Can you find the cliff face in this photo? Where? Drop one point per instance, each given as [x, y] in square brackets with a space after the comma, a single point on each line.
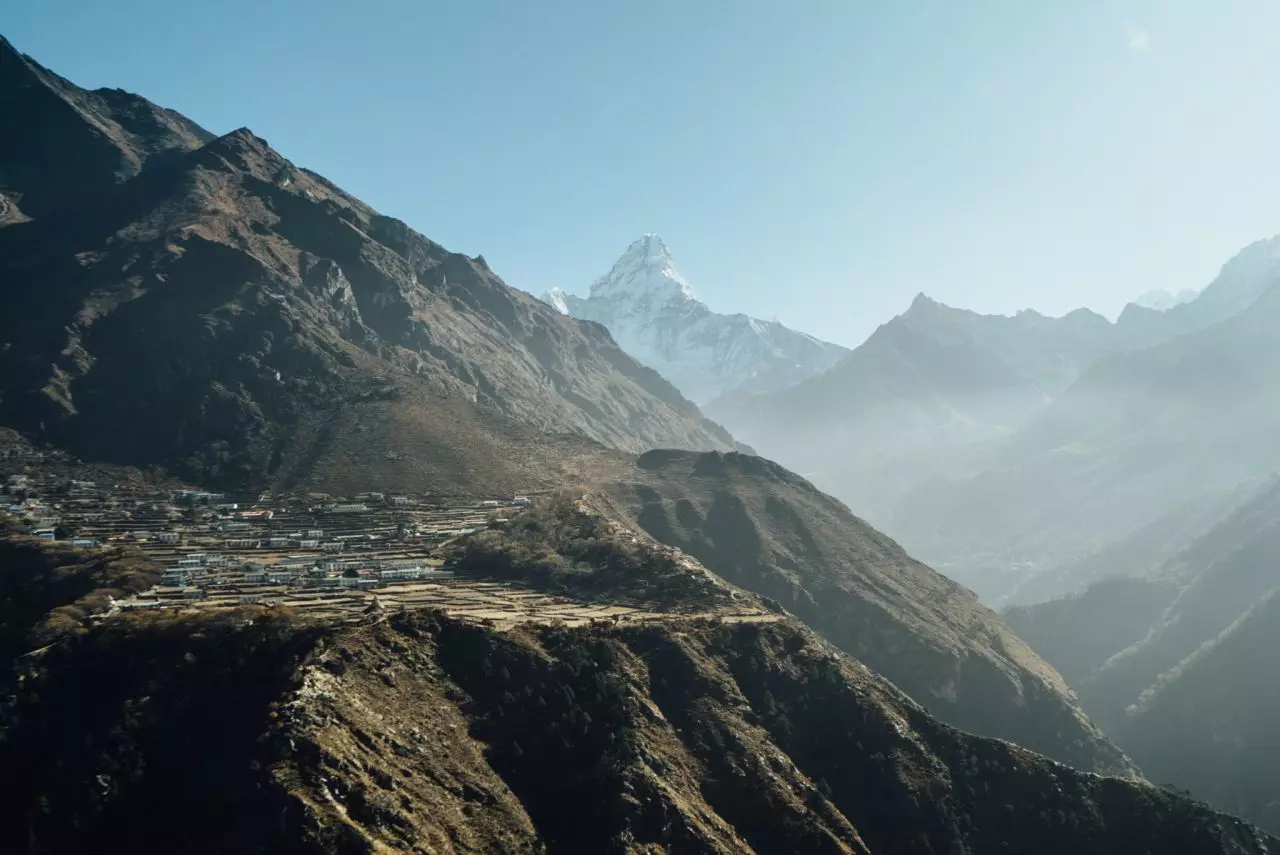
[423, 734]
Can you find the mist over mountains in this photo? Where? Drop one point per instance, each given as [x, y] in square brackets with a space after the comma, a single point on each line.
[1004, 448]
[624, 625]
[1114, 479]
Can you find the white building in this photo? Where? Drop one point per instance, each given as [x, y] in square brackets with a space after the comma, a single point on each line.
[401, 573]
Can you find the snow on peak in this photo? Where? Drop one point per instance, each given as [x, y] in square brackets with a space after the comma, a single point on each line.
[645, 271]
[653, 315]
[1162, 300]
[556, 299]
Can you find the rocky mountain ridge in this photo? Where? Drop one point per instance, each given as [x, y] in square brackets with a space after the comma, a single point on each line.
[275, 315]
[425, 734]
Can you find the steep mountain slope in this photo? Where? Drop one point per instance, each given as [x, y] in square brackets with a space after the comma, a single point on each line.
[1174, 665]
[1249, 274]
[1209, 725]
[1138, 436]
[1079, 633]
[653, 314]
[272, 314]
[61, 144]
[1221, 577]
[767, 530]
[1143, 552]
[423, 734]
[917, 398]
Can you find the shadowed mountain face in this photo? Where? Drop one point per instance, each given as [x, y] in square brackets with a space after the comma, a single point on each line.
[273, 315]
[62, 144]
[422, 733]
[767, 530]
[1177, 666]
[1209, 724]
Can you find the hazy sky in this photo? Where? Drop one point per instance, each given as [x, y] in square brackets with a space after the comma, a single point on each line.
[817, 161]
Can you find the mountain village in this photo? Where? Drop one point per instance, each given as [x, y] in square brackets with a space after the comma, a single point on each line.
[324, 556]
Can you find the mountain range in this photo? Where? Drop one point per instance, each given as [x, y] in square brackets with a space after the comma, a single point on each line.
[198, 306]
[1140, 435]
[983, 442]
[771, 532]
[651, 311]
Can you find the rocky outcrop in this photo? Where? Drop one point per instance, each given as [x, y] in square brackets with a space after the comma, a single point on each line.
[418, 733]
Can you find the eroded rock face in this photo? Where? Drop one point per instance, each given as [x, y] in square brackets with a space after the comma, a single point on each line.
[419, 733]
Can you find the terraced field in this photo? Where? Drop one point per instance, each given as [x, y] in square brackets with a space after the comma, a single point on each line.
[499, 603]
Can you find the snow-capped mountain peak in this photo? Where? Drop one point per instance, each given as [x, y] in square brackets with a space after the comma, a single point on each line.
[1162, 300]
[557, 299]
[646, 270]
[652, 312]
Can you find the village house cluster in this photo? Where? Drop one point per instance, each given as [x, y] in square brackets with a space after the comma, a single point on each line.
[246, 548]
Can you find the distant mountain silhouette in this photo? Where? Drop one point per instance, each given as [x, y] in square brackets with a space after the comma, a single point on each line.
[917, 398]
[1139, 436]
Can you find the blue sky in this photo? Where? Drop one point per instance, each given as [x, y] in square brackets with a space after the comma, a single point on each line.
[820, 161]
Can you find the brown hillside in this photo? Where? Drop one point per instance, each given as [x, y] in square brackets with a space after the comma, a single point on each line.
[288, 329]
[768, 530]
[422, 734]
